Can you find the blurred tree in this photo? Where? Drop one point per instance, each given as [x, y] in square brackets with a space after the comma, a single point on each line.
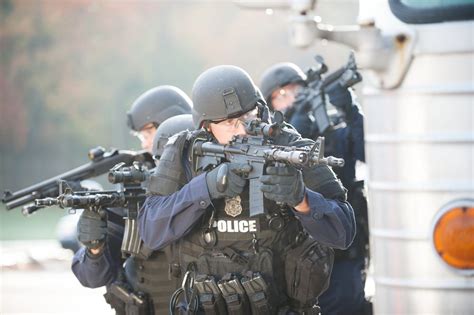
[69, 70]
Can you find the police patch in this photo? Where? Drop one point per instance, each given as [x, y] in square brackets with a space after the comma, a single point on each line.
[233, 206]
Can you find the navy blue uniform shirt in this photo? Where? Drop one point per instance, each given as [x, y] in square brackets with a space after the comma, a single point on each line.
[95, 271]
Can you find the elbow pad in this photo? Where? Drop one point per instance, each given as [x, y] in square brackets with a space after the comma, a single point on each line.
[323, 180]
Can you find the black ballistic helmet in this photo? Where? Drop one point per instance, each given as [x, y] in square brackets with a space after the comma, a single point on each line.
[279, 75]
[157, 105]
[223, 92]
[168, 128]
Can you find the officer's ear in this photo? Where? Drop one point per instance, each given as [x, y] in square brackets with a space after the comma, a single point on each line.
[207, 126]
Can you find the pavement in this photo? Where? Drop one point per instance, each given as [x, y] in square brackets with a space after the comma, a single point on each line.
[36, 278]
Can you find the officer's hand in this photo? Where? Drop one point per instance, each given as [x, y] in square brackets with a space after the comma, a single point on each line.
[92, 229]
[223, 181]
[283, 184]
[340, 97]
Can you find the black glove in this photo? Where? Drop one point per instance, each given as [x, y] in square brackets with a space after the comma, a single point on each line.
[283, 184]
[340, 97]
[223, 181]
[92, 229]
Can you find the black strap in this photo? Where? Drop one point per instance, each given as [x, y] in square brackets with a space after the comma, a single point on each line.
[235, 256]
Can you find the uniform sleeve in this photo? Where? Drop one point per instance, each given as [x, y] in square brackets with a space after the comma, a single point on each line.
[331, 219]
[165, 219]
[356, 125]
[94, 271]
[303, 123]
[330, 222]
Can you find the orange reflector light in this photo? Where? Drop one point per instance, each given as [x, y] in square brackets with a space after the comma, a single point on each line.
[453, 237]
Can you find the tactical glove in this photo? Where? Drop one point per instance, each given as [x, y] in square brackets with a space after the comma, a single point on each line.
[283, 184]
[340, 97]
[92, 229]
[223, 181]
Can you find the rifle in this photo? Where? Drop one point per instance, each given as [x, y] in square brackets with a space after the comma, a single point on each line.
[313, 97]
[101, 163]
[345, 76]
[256, 150]
[131, 196]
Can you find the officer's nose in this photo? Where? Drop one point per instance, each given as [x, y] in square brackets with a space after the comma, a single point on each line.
[240, 128]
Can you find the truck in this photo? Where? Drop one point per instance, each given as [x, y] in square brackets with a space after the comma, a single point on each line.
[418, 98]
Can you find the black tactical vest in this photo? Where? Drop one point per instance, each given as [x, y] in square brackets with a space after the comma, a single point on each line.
[153, 279]
[227, 241]
[227, 244]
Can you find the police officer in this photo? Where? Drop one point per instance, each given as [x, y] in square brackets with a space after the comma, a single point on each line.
[232, 262]
[167, 129]
[154, 107]
[100, 261]
[280, 85]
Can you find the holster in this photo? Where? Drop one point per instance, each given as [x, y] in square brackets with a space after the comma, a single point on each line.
[126, 302]
[116, 303]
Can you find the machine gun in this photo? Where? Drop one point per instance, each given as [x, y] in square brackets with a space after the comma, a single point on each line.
[256, 150]
[101, 163]
[312, 99]
[131, 196]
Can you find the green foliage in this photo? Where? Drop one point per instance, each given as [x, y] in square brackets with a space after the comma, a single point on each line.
[70, 71]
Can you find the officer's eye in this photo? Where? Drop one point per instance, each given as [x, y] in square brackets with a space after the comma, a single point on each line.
[230, 122]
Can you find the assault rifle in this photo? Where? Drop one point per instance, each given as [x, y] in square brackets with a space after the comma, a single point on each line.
[312, 98]
[130, 197]
[101, 163]
[256, 150]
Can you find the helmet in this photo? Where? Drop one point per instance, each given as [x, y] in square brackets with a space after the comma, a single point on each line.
[278, 76]
[157, 105]
[168, 128]
[223, 92]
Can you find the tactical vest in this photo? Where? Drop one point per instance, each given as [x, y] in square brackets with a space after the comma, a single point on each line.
[227, 230]
[153, 279]
[144, 287]
[238, 261]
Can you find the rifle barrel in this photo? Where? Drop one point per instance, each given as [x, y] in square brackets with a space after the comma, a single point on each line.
[50, 187]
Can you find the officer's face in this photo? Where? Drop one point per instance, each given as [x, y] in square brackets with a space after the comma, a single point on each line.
[146, 135]
[225, 129]
[283, 98]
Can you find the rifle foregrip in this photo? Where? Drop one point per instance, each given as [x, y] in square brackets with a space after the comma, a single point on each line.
[292, 157]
